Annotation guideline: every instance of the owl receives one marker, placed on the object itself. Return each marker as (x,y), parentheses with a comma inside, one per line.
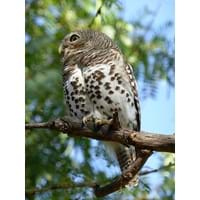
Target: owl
(97,81)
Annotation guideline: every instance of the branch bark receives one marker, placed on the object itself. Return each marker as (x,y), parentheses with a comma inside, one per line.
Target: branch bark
(142,139)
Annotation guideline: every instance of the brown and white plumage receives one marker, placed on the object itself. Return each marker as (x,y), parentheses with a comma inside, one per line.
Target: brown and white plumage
(97,81)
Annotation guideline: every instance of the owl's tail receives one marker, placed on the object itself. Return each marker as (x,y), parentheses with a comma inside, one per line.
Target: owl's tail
(126,157)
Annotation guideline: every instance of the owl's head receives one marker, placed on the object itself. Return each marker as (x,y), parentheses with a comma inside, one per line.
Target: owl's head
(77,44)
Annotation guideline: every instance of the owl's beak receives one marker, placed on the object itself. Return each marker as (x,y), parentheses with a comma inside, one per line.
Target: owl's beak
(60,48)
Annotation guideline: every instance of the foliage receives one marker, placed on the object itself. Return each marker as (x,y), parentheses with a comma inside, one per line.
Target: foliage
(52,158)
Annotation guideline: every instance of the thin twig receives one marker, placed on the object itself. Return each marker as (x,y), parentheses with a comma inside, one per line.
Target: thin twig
(98,12)
(30,192)
(156,170)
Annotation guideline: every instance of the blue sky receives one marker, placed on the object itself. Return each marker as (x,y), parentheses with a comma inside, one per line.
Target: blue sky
(158,113)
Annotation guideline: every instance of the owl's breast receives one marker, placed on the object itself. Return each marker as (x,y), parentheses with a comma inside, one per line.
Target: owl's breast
(75,92)
(109,90)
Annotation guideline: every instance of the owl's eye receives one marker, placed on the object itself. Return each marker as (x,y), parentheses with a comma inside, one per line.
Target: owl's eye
(74,37)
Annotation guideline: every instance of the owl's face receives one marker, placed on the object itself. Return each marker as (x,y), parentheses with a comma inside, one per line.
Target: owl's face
(73,44)
(77,44)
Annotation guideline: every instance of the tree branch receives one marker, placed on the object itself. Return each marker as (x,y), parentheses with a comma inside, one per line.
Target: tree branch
(142,140)
(110,130)
(146,172)
(126,176)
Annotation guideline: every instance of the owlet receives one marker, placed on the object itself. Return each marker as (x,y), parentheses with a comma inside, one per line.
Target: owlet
(97,81)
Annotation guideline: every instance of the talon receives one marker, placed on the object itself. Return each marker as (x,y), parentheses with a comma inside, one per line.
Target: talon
(88,121)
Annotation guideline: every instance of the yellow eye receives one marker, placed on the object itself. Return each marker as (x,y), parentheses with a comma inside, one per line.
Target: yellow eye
(74,37)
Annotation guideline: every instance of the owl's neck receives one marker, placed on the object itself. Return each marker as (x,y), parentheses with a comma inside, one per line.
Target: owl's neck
(99,56)
(93,57)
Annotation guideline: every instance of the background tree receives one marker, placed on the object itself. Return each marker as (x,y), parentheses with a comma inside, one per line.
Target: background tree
(50,159)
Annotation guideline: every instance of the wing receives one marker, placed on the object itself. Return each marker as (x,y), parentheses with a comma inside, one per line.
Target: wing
(74,92)
(134,88)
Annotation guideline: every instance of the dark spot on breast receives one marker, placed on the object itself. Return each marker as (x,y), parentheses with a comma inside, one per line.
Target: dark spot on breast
(128,99)
(101,107)
(99,96)
(73,83)
(112,78)
(75,114)
(127,94)
(119,82)
(107,87)
(81,99)
(97,92)
(82,91)
(82,105)
(82,110)
(110,92)
(76,92)
(108,100)
(87,112)
(89,77)
(77,106)
(117,74)
(96,87)
(117,88)
(119,78)
(106,83)
(122,91)
(92,96)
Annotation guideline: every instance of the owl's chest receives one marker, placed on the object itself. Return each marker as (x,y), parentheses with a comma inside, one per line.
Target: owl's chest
(108,90)
(91,90)
(100,90)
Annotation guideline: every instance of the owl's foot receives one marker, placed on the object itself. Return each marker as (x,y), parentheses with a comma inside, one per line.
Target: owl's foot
(87,120)
(94,123)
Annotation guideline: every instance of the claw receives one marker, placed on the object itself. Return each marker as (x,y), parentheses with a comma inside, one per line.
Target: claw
(86,119)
